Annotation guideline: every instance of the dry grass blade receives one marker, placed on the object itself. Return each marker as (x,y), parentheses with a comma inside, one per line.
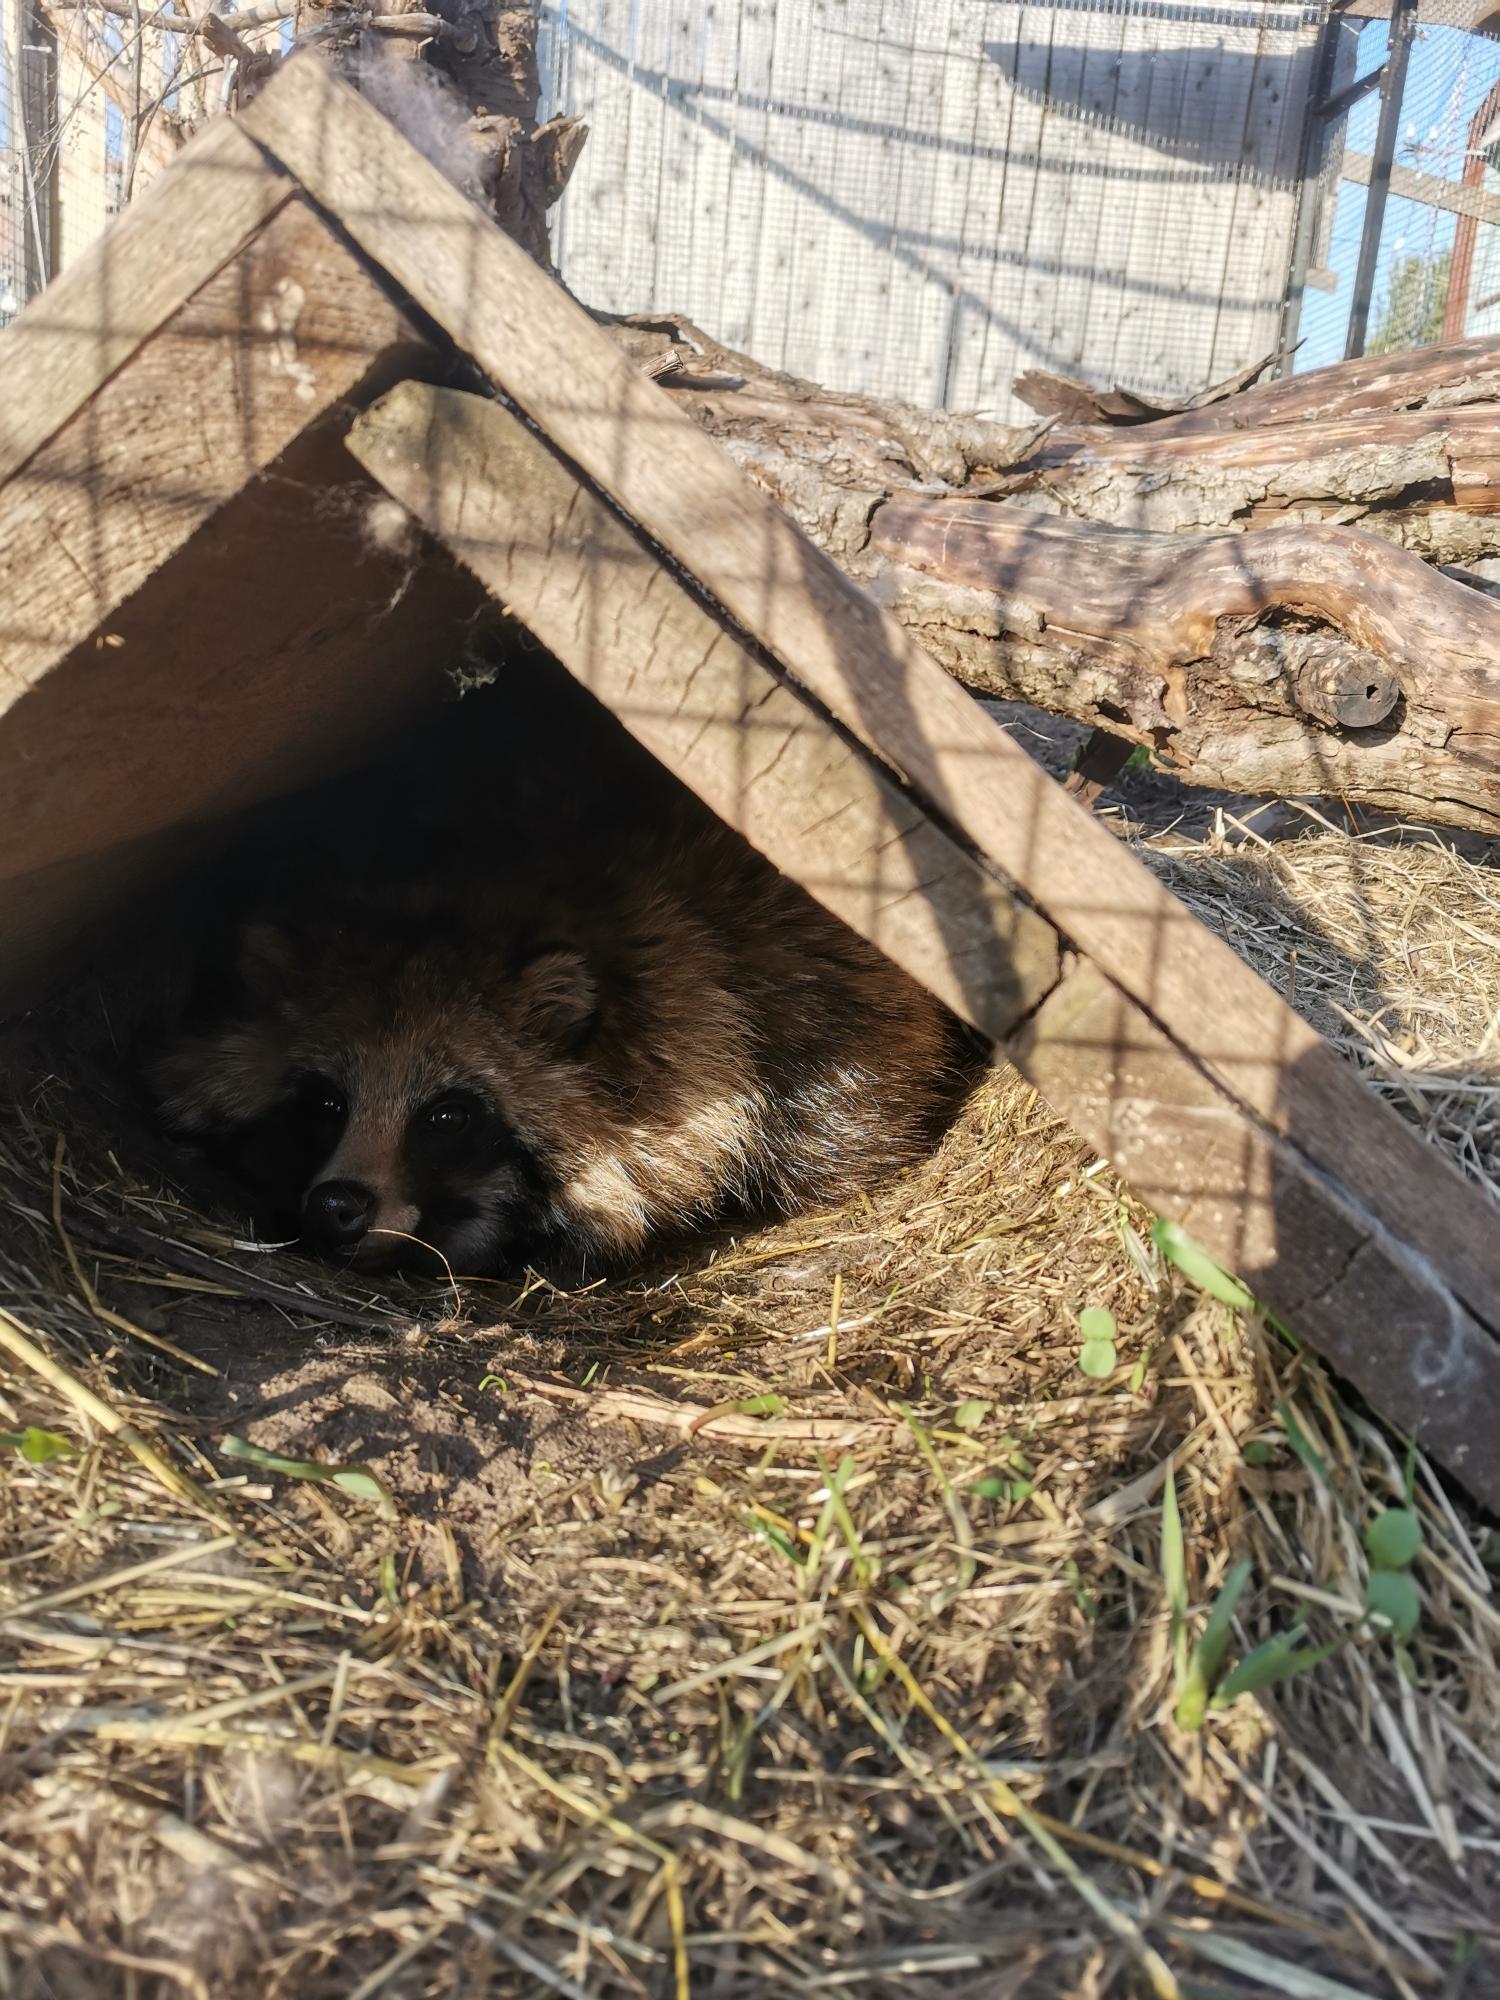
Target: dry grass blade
(19,1344)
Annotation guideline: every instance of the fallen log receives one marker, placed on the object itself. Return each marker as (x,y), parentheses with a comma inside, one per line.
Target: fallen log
(1219,585)
(1297,660)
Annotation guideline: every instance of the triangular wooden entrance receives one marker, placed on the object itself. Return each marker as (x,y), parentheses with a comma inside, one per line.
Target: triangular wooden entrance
(306,271)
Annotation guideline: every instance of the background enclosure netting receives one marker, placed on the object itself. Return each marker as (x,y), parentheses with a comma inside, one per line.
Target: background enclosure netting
(904,197)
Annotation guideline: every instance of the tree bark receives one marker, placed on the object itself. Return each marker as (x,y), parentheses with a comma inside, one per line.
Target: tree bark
(1218,583)
(459,78)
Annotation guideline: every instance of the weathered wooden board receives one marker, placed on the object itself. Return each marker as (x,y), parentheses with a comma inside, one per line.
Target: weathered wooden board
(246,364)
(626,436)
(95,314)
(553,553)
(280,647)
(1361,1296)
(757,750)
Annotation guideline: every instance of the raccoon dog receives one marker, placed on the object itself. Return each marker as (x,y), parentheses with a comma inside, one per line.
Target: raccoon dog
(550,1052)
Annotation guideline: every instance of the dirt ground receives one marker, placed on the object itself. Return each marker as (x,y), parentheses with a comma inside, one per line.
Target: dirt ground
(795,1616)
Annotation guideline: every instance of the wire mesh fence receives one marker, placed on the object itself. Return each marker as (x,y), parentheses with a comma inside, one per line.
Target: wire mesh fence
(924,198)
(1398,235)
(917,198)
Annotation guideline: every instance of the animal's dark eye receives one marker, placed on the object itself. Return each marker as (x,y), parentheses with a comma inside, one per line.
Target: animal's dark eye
(447,1118)
(320,1100)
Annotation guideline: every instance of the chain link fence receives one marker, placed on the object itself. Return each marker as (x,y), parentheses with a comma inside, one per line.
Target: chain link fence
(919,198)
(1397,242)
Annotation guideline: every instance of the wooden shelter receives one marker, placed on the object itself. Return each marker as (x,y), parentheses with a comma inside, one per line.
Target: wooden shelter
(303,319)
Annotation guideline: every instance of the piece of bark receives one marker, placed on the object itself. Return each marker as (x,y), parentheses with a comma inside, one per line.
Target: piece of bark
(1074,402)
(876,441)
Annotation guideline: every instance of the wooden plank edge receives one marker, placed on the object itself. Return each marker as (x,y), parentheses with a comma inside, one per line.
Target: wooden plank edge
(1371,1303)
(185,227)
(576,574)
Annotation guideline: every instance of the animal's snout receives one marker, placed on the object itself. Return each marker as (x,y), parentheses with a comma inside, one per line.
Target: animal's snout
(336,1214)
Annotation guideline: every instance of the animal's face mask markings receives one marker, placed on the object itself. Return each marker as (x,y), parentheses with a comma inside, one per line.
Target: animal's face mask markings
(555,1052)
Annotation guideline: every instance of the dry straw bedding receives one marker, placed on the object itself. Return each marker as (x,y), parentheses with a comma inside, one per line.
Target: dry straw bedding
(611,1698)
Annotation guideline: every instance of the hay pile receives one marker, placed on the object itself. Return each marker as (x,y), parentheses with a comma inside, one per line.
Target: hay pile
(790,1622)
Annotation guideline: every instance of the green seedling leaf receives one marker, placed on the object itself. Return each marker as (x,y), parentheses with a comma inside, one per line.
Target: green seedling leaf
(1083,1597)
(994,1488)
(971,1413)
(1393,1539)
(1392,1597)
(351,1479)
(390,1589)
(496,1381)
(1258,1452)
(1135,1249)
(1208,1655)
(1197,1266)
(742,1406)
(836,1511)
(776,1538)
(1174,1575)
(1098,1359)
(38,1447)
(1138,1375)
(1275,1660)
(363,1485)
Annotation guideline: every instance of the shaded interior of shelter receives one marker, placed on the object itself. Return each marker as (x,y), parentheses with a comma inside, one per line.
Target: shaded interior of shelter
(294,677)
(274,678)
(302,637)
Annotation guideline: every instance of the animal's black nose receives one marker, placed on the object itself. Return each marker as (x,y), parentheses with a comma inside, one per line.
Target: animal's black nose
(337,1213)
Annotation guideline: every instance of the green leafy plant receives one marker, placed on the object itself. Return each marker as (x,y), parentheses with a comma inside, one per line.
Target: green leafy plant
(1198,1684)
(1174,1243)
(1392,1543)
(993,1487)
(1098,1357)
(38,1447)
(351,1479)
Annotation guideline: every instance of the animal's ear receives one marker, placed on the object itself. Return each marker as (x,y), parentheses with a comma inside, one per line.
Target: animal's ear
(559,996)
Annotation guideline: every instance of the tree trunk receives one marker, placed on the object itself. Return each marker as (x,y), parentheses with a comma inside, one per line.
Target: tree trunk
(459,77)
(1208,582)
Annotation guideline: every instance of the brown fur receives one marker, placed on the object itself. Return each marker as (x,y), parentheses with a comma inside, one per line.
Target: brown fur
(658,1026)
